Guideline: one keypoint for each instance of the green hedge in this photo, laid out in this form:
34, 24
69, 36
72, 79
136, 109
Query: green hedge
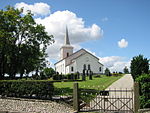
70, 76
144, 83
27, 88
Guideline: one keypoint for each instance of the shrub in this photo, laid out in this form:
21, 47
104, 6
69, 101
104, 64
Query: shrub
107, 72
144, 83
97, 76
125, 70
19, 88
115, 74
55, 77
58, 77
49, 72
139, 65
70, 76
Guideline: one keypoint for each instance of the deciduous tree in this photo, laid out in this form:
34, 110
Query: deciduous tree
22, 43
139, 65
126, 71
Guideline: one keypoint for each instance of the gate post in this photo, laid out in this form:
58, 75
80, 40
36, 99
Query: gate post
75, 97
136, 97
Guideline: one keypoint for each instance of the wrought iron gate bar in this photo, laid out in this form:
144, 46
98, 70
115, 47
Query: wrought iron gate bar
91, 90
109, 100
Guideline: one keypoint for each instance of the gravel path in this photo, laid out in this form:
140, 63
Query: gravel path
125, 82
36, 106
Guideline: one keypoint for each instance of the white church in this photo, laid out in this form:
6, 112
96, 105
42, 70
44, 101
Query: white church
75, 62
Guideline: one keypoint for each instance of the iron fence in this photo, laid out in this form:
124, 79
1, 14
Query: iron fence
111, 100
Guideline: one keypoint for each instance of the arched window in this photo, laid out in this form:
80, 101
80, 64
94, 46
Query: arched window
72, 69
100, 69
67, 54
84, 66
89, 67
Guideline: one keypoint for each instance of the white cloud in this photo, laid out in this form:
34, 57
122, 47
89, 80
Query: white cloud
104, 19
122, 43
38, 9
115, 63
55, 24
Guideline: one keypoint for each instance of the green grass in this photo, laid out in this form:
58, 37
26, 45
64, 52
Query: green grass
100, 83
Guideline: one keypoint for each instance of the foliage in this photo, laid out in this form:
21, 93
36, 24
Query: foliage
120, 73
97, 76
58, 77
107, 72
49, 72
116, 74
139, 65
144, 83
28, 88
125, 70
22, 43
69, 76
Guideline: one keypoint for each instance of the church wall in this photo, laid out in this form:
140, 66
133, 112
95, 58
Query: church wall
68, 60
88, 59
60, 67
69, 68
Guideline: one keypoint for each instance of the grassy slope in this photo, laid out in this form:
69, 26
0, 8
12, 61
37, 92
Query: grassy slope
97, 83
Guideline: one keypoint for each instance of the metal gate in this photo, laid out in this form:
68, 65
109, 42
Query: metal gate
111, 100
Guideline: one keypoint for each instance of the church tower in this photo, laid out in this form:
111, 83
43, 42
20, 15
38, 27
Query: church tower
66, 50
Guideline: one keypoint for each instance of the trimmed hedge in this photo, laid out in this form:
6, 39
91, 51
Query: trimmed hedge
144, 83
27, 88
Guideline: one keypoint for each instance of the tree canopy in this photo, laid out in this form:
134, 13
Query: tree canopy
126, 71
22, 43
107, 72
139, 65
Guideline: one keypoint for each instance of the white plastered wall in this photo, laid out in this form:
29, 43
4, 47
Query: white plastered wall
88, 59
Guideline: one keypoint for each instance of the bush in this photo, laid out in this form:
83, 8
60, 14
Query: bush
139, 65
49, 72
58, 77
20, 88
144, 83
116, 74
97, 76
55, 77
70, 76
107, 72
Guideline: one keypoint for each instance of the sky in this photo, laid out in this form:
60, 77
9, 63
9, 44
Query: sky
113, 30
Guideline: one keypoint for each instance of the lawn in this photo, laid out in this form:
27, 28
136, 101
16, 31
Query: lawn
99, 83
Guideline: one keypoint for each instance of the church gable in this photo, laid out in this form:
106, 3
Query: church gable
88, 61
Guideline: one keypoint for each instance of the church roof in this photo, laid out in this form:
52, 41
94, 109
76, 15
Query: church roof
74, 54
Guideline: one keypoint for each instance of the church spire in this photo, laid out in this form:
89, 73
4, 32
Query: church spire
67, 42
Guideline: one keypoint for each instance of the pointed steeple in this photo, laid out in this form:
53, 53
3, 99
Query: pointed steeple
67, 42
66, 50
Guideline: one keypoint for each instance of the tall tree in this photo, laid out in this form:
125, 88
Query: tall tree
22, 43
107, 72
139, 65
126, 71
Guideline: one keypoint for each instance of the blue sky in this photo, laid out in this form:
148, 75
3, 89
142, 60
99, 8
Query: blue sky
109, 20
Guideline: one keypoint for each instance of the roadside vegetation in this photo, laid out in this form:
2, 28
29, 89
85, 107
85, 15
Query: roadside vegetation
140, 72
